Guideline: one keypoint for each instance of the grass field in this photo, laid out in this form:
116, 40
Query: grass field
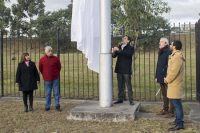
39, 121
77, 81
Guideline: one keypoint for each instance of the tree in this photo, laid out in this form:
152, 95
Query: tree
4, 15
48, 24
140, 18
51, 21
24, 13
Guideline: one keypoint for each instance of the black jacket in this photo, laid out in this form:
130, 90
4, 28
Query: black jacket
162, 64
27, 76
124, 59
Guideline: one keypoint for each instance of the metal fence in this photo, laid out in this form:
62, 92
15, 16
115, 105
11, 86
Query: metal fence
78, 82
197, 31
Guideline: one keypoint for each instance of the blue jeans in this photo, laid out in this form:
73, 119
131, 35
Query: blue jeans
179, 112
49, 85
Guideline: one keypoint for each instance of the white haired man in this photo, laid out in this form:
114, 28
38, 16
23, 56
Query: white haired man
161, 72
50, 66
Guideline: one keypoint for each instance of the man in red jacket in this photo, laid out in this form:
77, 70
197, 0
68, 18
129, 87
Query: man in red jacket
50, 66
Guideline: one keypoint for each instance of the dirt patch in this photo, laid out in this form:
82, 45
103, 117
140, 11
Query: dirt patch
13, 119
155, 108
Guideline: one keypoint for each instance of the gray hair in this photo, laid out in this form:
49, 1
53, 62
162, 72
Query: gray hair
47, 49
165, 40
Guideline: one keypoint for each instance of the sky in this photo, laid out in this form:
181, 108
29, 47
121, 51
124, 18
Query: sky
52, 5
181, 10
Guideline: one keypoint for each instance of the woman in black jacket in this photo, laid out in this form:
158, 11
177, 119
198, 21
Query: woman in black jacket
27, 77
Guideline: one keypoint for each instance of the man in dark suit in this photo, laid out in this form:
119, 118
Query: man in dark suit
123, 68
161, 72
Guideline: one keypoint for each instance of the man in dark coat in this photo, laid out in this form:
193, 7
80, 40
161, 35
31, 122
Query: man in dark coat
26, 78
123, 68
161, 72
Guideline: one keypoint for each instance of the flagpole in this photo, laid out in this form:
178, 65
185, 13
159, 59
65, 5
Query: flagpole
105, 75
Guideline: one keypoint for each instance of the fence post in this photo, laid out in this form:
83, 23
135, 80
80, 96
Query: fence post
58, 41
58, 49
197, 35
1, 50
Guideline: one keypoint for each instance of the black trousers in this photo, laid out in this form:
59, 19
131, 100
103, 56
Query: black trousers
27, 94
167, 106
124, 79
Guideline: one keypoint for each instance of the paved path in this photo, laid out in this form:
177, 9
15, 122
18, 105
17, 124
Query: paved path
195, 112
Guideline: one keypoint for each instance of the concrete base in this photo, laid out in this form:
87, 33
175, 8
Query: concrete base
91, 111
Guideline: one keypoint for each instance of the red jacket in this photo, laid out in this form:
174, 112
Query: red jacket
50, 67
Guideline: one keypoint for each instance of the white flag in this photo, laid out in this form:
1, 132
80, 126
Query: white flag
85, 30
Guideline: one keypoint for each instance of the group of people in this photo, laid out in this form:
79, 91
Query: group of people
169, 74
27, 78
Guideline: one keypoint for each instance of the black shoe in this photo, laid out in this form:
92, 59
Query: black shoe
25, 108
31, 108
131, 103
169, 115
162, 112
118, 101
175, 128
47, 109
58, 108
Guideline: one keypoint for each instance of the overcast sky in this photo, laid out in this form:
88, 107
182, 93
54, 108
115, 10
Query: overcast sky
52, 5
181, 10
